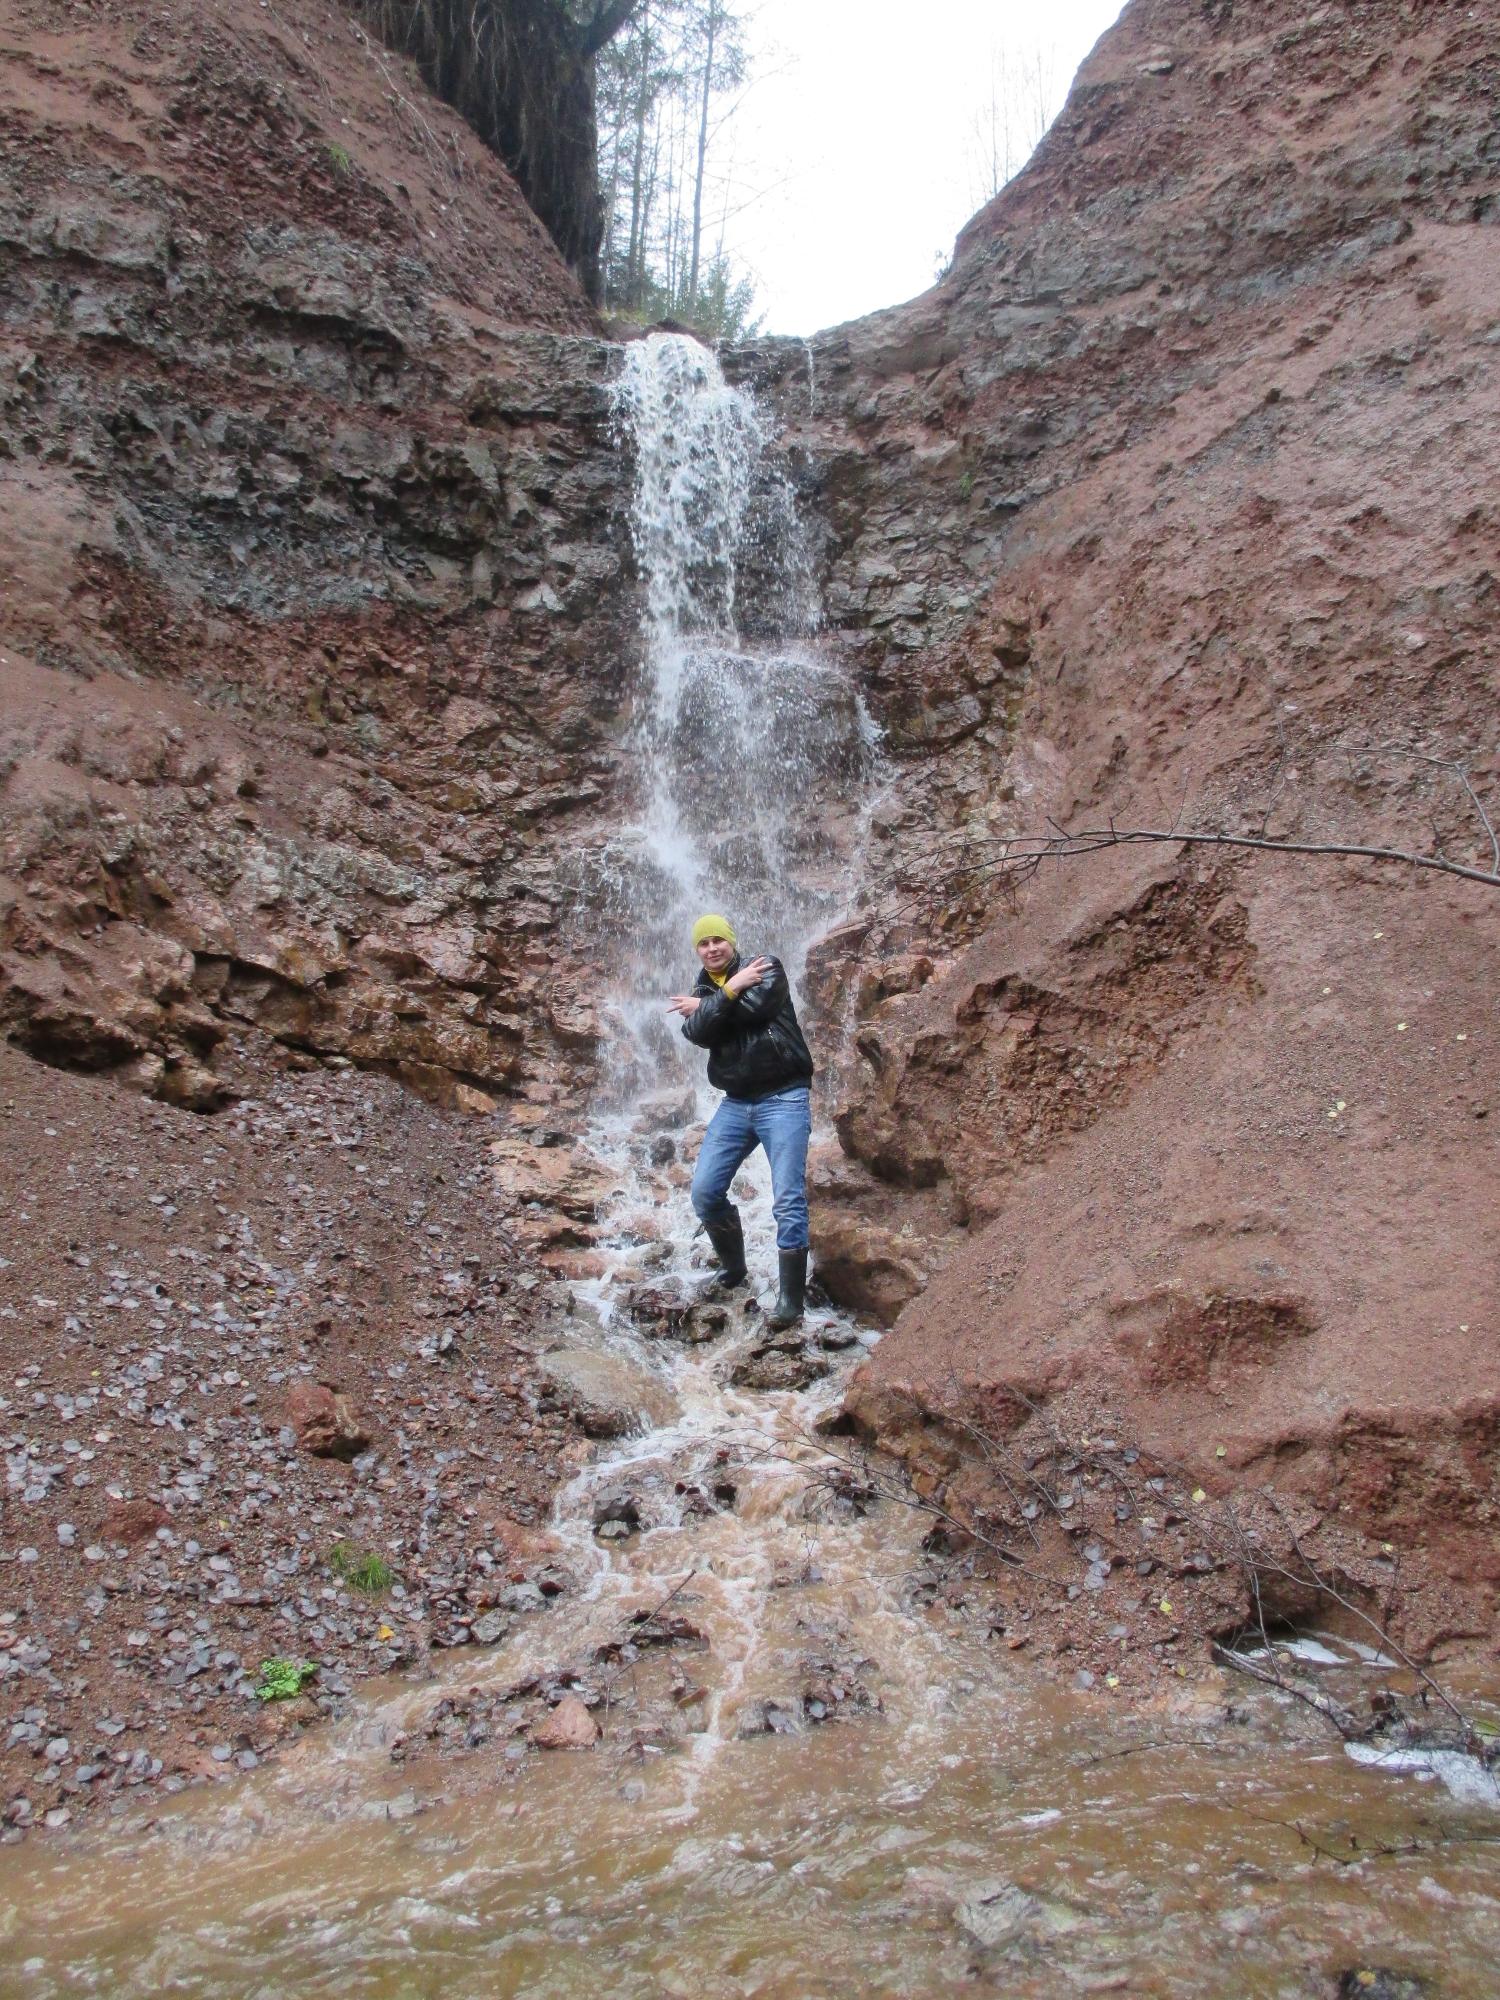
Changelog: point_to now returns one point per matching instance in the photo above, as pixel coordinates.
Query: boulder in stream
(616, 1515)
(569, 1726)
(769, 1367)
(663, 1314)
(608, 1396)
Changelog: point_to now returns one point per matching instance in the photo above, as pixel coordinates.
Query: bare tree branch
(1066, 843)
(609, 18)
(952, 864)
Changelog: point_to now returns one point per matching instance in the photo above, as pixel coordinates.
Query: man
(743, 1015)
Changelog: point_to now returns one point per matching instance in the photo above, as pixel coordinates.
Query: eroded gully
(817, 1771)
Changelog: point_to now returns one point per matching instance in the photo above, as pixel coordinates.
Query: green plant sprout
(283, 1680)
(361, 1569)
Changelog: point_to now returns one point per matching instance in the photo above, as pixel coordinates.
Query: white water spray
(752, 752)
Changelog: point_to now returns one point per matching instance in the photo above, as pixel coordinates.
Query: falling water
(752, 751)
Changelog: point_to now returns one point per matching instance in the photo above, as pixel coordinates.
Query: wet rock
(667, 1628)
(697, 1499)
(568, 1727)
(998, 1912)
(836, 1336)
(606, 1395)
(665, 1110)
(616, 1515)
(662, 1314)
(770, 1367)
(324, 1422)
(771, 1718)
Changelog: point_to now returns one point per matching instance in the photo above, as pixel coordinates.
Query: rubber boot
(728, 1240)
(793, 1296)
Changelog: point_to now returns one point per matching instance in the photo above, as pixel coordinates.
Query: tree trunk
(708, 77)
(635, 258)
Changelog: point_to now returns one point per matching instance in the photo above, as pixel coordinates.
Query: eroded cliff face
(1174, 503)
(311, 553)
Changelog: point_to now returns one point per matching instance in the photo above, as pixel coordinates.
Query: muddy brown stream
(956, 1823)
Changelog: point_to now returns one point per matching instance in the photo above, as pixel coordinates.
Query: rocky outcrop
(606, 1395)
(1170, 507)
(313, 641)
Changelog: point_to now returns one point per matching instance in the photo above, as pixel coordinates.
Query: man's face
(716, 953)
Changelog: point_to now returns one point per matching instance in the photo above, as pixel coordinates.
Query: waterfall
(750, 750)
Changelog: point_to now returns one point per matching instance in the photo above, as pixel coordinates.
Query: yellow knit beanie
(713, 926)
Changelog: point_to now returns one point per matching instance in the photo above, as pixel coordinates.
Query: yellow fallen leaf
(1462, 1327)
(1400, 1027)
(1198, 1494)
(1221, 1451)
(1389, 1547)
(1378, 934)
(1111, 1680)
(1340, 1105)
(386, 1632)
(1166, 1607)
(1460, 1038)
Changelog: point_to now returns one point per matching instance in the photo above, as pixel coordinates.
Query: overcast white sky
(861, 129)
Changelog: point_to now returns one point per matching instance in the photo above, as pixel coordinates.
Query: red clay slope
(1178, 498)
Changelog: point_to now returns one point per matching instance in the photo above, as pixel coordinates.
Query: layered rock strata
(1171, 506)
(311, 559)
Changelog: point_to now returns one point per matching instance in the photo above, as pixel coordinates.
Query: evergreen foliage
(522, 72)
(609, 114)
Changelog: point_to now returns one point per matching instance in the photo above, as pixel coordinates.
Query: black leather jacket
(753, 1041)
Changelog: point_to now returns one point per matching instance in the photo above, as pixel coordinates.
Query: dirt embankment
(1172, 504)
(266, 1392)
(311, 645)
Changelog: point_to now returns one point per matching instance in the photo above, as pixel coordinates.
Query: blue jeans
(782, 1123)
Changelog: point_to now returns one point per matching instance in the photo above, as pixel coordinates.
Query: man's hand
(748, 975)
(684, 1003)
